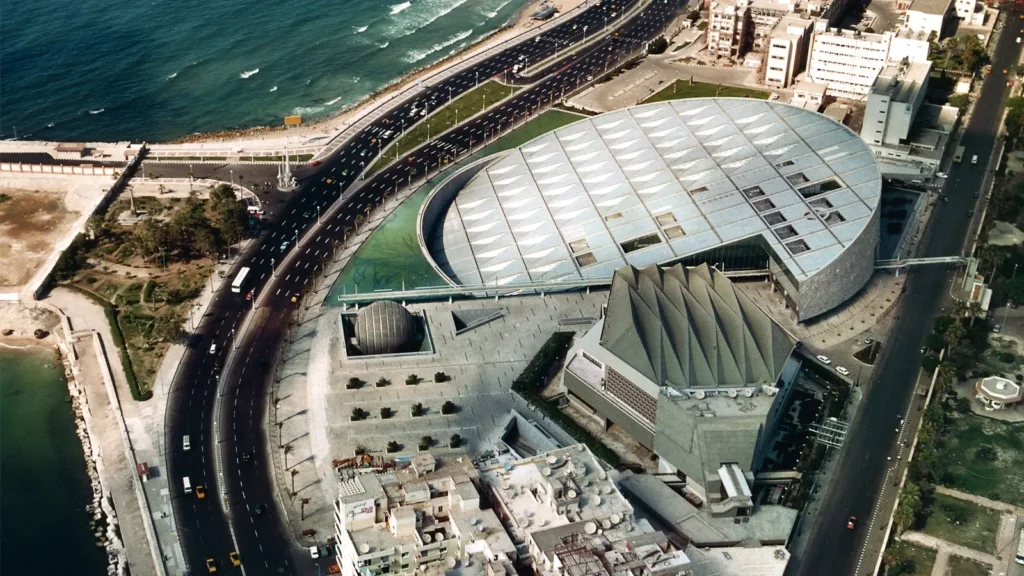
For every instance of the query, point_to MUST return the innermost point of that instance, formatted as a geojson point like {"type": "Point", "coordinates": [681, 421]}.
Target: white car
{"type": "Point", "coordinates": [284, 246]}
{"type": "Point", "coordinates": [314, 552]}
{"type": "Point", "coordinates": [1018, 39]}
{"type": "Point", "coordinates": [940, 174]}
{"type": "Point", "coordinates": [823, 359]}
{"type": "Point", "coordinates": [974, 159]}
{"type": "Point", "coordinates": [842, 371]}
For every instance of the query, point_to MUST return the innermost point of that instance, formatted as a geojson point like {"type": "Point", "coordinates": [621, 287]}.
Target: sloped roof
{"type": "Point", "coordinates": [691, 328]}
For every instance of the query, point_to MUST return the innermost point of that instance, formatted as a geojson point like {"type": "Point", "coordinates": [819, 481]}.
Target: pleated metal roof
{"type": "Point", "coordinates": [691, 328]}
{"type": "Point", "coordinates": [659, 182]}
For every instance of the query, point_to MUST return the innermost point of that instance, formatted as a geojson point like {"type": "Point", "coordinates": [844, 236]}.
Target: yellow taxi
{"type": "Point", "coordinates": [211, 566]}
{"type": "Point", "coordinates": [200, 492]}
{"type": "Point", "coordinates": [234, 559]}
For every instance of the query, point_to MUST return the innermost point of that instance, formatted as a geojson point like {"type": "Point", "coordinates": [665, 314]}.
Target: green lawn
{"type": "Point", "coordinates": [966, 469]}
{"type": "Point", "coordinates": [964, 523]}
{"type": "Point", "coordinates": [683, 89]}
{"type": "Point", "coordinates": [461, 108]}
{"type": "Point", "coordinates": [391, 257]}
{"type": "Point", "coordinates": [960, 566]}
{"type": "Point", "coordinates": [911, 559]}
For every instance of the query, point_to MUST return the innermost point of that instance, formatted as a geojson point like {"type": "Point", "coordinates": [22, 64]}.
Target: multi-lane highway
{"type": "Point", "coordinates": [225, 422]}
{"type": "Point", "coordinates": [861, 469]}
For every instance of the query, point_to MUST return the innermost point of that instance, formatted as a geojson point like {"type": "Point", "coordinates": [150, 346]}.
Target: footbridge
{"type": "Point", "coordinates": [906, 262]}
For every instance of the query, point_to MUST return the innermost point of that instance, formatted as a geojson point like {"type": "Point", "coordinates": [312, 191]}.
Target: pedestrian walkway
{"type": "Point", "coordinates": [980, 500]}
{"type": "Point", "coordinates": [942, 546]}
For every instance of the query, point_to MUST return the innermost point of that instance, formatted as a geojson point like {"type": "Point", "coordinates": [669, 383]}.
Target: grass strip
{"type": "Point", "coordinates": [110, 311]}
{"type": "Point", "coordinates": [461, 108]}
{"type": "Point", "coordinates": [529, 383]}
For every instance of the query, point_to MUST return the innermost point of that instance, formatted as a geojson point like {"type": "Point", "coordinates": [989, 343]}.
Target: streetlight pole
{"type": "Point", "coordinates": [273, 269]}
{"type": "Point", "coordinates": [232, 171]}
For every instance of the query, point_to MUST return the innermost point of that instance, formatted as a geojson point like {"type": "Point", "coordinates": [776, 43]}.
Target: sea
{"type": "Point", "coordinates": [157, 70]}
{"type": "Point", "coordinates": [44, 487]}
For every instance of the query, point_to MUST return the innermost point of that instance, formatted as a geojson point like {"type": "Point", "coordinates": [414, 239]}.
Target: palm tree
{"type": "Point", "coordinates": [973, 310]}
{"type": "Point", "coordinates": [287, 450]}
{"type": "Point", "coordinates": [890, 557]}
{"type": "Point", "coordinates": [903, 517]}
{"type": "Point", "coordinates": [294, 474]}
{"type": "Point", "coordinates": [954, 334]}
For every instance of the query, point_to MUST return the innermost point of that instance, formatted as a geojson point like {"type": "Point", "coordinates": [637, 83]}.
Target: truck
{"type": "Point", "coordinates": [188, 485]}
{"type": "Point", "coordinates": [959, 154]}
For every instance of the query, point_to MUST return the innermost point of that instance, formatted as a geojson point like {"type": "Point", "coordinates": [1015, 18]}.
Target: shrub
{"type": "Point", "coordinates": [358, 414]}
{"type": "Point", "coordinates": [986, 452]}
{"type": "Point", "coordinates": [657, 46]}
{"type": "Point", "coordinates": [393, 447]}
{"type": "Point", "coordinates": [386, 412]}
{"type": "Point", "coordinates": [426, 442]}
{"type": "Point", "coordinates": [382, 382]}
{"type": "Point", "coordinates": [1008, 357]}
{"type": "Point", "coordinates": [455, 441]}
{"type": "Point", "coordinates": [412, 380]}
{"type": "Point", "coordinates": [417, 409]}
{"type": "Point", "coordinates": [354, 383]}
{"type": "Point", "coordinates": [440, 377]}
{"type": "Point", "coordinates": [360, 450]}
{"type": "Point", "coordinates": [448, 407]}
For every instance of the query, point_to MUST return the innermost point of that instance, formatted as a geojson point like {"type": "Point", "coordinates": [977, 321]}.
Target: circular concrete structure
{"type": "Point", "coordinates": [384, 327]}
{"type": "Point", "coordinates": [678, 181]}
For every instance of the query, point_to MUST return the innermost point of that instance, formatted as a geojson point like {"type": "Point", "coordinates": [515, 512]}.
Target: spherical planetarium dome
{"type": "Point", "coordinates": [384, 327]}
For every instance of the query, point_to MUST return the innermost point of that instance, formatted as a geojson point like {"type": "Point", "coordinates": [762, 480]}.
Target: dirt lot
{"type": "Point", "coordinates": [31, 223]}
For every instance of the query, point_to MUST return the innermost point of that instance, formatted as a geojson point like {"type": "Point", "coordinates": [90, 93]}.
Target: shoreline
{"type": "Point", "coordinates": [103, 525]}
{"type": "Point", "coordinates": [518, 23]}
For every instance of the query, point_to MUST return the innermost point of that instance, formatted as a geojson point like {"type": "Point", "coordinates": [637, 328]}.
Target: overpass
{"type": "Point", "coordinates": [496, 291]}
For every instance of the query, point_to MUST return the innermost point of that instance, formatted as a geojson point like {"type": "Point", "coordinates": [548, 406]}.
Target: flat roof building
{"type": "Point", "coordinates": [423, 517]}
{"type": "Point", "coordinates": [744, 183]}
{"type": "Point", "coordinates": [997, 393]}
{"type": "Point", "coordinates": [567, 516]}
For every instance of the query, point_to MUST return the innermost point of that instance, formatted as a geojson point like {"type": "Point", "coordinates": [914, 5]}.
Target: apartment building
{"type": "Point", "coordinates": [787, 51]}
{"type": "Point", "coordinates": [422, 515]}
{"type": "Point", "coordinates": [729, 28]}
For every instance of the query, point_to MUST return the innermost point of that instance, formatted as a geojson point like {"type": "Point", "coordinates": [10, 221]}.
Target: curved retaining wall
{"type": "Point", "coordinates": [438, 202]}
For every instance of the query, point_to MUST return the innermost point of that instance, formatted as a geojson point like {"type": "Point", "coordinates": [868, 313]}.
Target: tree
{"type": "Point", "coordinates": [358, 414]}
{"type": "Point", "coordinates": [426, 442]}
{"type": "Point", "coordinates": [448, 407]}
{"type": "Point", "coordinates": [294, 474]}
{"type": "Point", "coordinates": [455, 441]}
{"type": "Point", "coordinates": [440, 377]}
{"type": "Point", "coordinates": [222, 193]}
{"type": "Point", "coordinates": [386, 412]}
{"type": "Point", "coordinates": [903, 518]}
{"type": "Point", "coordinates": [393, 446]}
{"type": "Point", "coordinates": [657, 46]}
{"type": "Point", "coordinates": [412, 380]}
{"type": "Point", "coordinates": [167, 327]}
{"type": "Point", "coordinates": [382, 382]}
{"type": "Point", "coordinates": [287, 450]}
{"type": "Point", "coordinates": [233, 221]}
{"type": "Point", "coordinates": [417, 409]}
{"type": "Point", "coordinates": [890, 557]}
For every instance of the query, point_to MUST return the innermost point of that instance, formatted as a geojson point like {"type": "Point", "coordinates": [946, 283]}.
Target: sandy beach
{"type": "Point", "coordinates": [329, 126]}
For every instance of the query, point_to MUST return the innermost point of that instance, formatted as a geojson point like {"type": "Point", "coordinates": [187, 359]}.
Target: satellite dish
{"type": "Point", "coordinates": [449, 562]}
{"type": "Point", "coordinates": [472, 520]}
{"type": "Point", "coordinates": [364, 548]}
{"type": "Point", "coordinates": [606, 524]}
{"type": "Point", "coordinates": [542, 522]}
{"type": "Point", "coordinates": [590, 528]}
{"type": "Point", "coordinates": [616, 518]}
{"type": "Point", "coordinates": [607, 490]}
{"type": "Point", "coordinates": [427, 538]}
{"type": "Point", "coordinates": [748, 393]}
{"type": "Point", "coordinates": [546, 471]}
{"type": "Point", "coordinates": [571, 494]}
{"type": "Point", "coordinates": [597, 500]}
{"type": "Point", "coordinates": [770, 390]}
{"type": "Point", "coordinates": [699, 394]}
{"type": "Point", "coordinates": [732, 393]}
{"type": "Point", "coordinates": [552, 459]}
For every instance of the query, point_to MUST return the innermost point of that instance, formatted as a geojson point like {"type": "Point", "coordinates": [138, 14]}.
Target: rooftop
{"type": "Point", "coordinates": [691, 328]}
{"type": "Point", "coordinates": [902, 81]}
{"type": "Point", "coordinates": [656, 183]}
{"type": "Point", "coordinates": [931, 6]}
{"type": "Point", "coordinates": [1001, 389]}
{"type": "Point", "coordinates": [555, 488]}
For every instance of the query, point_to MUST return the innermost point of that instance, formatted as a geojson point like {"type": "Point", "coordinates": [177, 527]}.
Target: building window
{"type": "Point", "coordinates": [584, 260]}
{"type": "Point", "coordinates": [674, 232]}
{"type": "Point", "coordinates": [639, 243]}
{"type": "Point", "coordinates": [666, 219]}
{"type": "Point", "coordinates": [797, 246]}
{"type": "Point", "coordinates": [631, 395]}
{"type": "Point", "coordinates": [774, 219]}
{"type": "Point", "coordinates": [784, 232]}
{"type": "Point", "coordinates": [580, 245]}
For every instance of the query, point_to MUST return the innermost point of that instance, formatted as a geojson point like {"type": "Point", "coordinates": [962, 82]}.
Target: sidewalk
{"type": "Point", "coordinates": [942, 546]}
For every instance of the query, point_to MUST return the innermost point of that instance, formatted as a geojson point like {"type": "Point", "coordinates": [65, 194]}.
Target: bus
{"type": "Point", "coordinates": [959, 154]}
{"type": "Point", "coordinates": [1020, 548]}
{"type": "Point", "coordinates": [236, 286]}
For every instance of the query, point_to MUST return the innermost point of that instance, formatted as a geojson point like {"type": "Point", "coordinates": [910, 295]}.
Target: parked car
{"type": "Point", "coordinates": [314, 162]}
{"type": "Point", "coordinates": [314, 552]}
{"type": "Point", "coordinates": [851, 523]}
{"type": "Point", "coordinates": [842, 371]}
{"type": "Point", "coordinates": [974, 159]}
{"type": "Point", "coordinates": [823, 359]}
{"type": "Point", "coordinates": [996, 328]}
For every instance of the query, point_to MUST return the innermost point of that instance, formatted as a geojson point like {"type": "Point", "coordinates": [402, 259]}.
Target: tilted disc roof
{"type": "Point", "coordinates": [691, 328]}
{"type": "Point", "coordinates": [384, 327]}
{"type": "Point", "coordinates": [658, 182]}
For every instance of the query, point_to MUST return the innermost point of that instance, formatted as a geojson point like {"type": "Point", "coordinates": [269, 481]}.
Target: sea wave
{"type": "Point", "coordinates": [419, 19]}
{"type": "Point", "coordinates": [95, 112]}
{"type": "Point", "coordinates": [172, 76]}
{"type": "Point", "coordinates": [383, 45]}
{"type": "Point", "coordinates": [333, 101]}
{"type": "Point", "coordinates": [416, 55]}
{"type": "Point", "coordinates": [362, 29]}
{"type": "Point", "coordinates": [399, 8]}
{"type": "Point", "coordinates": [249, 73]}
{"type": "Point", "coordinates": [494, 11]}
{"type": "Point", "coordinates": [306, 110]}
{"type": "Point", "coordinates": [274, 89]}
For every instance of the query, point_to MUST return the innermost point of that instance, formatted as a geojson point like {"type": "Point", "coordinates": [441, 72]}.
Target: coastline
{"type": "Point", "coordinates": [518, 23]}
{"type": "Point", "coordinates": [103, 524]}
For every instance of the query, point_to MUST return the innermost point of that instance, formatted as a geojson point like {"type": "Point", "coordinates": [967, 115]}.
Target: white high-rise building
{"type": "Point", "coordinates": [848, 62]}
